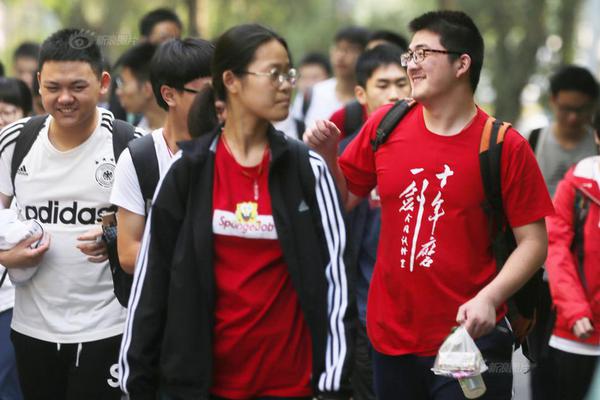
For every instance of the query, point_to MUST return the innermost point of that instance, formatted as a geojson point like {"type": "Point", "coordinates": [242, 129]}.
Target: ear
{"type": "Point", "coordinates": [39, 79]}
{"type": "Point", "coordinates": [552, 103]}
{"type": "Point", "coordinates": [104, 82]}
{"type": "Point", "coordinates": [463, 65]}
{"type": "Point", "coordinates": [168, 95]}
{"type": "Point", "coordinates": [147, 88]}
{"type": "Point", "coordinates": [231, 82]}
{"type": "Point", "coordinates": [361, 94]}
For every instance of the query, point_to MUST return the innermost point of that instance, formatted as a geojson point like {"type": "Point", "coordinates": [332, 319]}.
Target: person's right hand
{"type": "Point", "coordinates": [23, 256]}
{"type": "Point", "coordinates": [323, 138]}
{"type": "Point", "coordinates": [583, 328]}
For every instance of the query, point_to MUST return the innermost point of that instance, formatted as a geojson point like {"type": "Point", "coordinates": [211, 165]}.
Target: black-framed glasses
{"type": "Point", "coordinates": [277, 77]}
{"type": "Point", "coordinates": [190, 90]}
{"type": "Point", "coordinates": [419, 55]}
{"type": "Point", "coordinates": [580, 111]}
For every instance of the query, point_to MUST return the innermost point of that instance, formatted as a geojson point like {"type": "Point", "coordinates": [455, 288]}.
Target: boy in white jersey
{"type": "Point", "coordinates": [67, 323]}
{"type": "Point", "coordinates": [179, 69]}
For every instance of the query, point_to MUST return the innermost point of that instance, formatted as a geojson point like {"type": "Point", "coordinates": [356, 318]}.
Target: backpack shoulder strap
{"type": "Point", "coordinates": [145, 161]}
{"type": "Point", "coordinates": [534, 137]}
{"type": "Point", "coordinates": [353, 117]}
{"type": "Point", "coordinates": [581, 209]}
{"type": "Point", "coordinates": [26, 138]}
{"type": "Point", "coordinates": [123, 133]}
{"type": "Point", "coordinates": [306, 100]}
{"type": "Point", "coordinates": [490, 154]}
{"type": "Point", "coordinates": [390, 121]}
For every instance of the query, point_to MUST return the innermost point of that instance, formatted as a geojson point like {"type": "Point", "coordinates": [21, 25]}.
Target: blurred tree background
{"type": "Point", "coordinates": [525, 39]}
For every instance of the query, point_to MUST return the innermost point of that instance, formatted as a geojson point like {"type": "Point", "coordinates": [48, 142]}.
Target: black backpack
{"type": "Point", "coordinates": [122, 134]}
{"type": "Point", "coordinates": [523, 304]}
{"type": "Point", "coordinates": [145, 162]}
{"type": "Point", "coordinates": [353, 117]}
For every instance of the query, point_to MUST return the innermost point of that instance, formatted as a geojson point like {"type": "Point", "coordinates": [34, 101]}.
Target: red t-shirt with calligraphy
{"type": "Point", "coordinates": [434, 249]}
{"type": "Point", "coordinates": [261, 344]}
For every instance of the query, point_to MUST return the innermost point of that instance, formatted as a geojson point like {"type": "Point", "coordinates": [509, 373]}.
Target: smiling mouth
{"type": "Point", "coordinates": [67, 110]}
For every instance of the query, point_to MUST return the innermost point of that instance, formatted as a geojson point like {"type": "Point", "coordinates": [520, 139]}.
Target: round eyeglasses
{"type": "Point", "coordinates": [277, 77]}
{"type": "Point", "coordinates": [420, 54]}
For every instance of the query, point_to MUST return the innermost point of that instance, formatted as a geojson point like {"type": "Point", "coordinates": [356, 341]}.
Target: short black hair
{"type": "Point", "coordinates": [370, 60]}
{"type": "Point", "coordinates": [138, 59]}
{"type": "Point", "coordinates": [157, 16]}
{"type": "Point", "coordinates": [27, 49]}
{"type": "Point", "coordinates": [16, 92]}
{"type": "Point", "coordinates": [177, 62]}
{"type": "Point", "coordinates": [575, 78]}
{"type": "Point", "coordinates": [1, 69]}
{"type": "Point", "coordinates": [72, 45]}
{"type": "Point", "coordinates": [596, 122]}
{"type": "Point", "coordinates": [458, 33]}
{"type": "Point", "coordinates": [316, 58]}
{"type": "Point", "coordinates": [354, 34]}
{"type": "Point", "coordinates": [390, 37]}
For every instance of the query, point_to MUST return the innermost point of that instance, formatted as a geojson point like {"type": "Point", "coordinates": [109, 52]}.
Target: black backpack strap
{"type": "Point", "coordinates": [353, 117]}
{"type": "Point", "coordinates": [27, 137]}
{"type": "Point", "coordinates": [490, 154]}
{"type": "Point", "coordinates": [123, 133]}
{"type": "Point", "coordinates": [581, 210]}
{"type": "Point", "coordinates": [145, 161]}
{"type": "Point", "coordinates": [534, 137]}
{"type": "Point", "coordinates": [306, 100]}
{"type": "Point", "coordinates": [390, 121]}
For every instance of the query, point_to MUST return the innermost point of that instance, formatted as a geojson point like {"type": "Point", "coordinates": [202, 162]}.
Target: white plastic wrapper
{"type": "Point", "coordinates": [459, 356]}
{"type": "Point", "coordinates": [13, 231]}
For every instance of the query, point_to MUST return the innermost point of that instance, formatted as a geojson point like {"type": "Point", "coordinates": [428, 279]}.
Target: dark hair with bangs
{"type": "Point", "coordinates": [177, 62]}
{"type": "Point", "coordinates": [16, 92]}
{"type": "Point", "coordinates": [154, 17]}
{"type": "Point", "coordinates": [137, 59]}
{"type": "Point", "coordinates": [574, 78]}
{"type": "Point", "coordinates": [354, 34]}
{"type": "Point", "coordinates": [458, 33]}
{"type": "Point", "coordinates": [72, 45]}
{"type": "Point", "coordinates": [379, 56]}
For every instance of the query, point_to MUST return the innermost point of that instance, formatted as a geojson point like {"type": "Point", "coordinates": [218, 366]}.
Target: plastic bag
{"type": "Point", "coordinates": [13, 231]}
{"type": "Point", "coordinates": [459, 356]}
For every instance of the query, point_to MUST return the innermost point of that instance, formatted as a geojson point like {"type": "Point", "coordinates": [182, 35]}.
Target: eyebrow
{"type": "Point", "coordinates": [76, 82]}
{"type": "Point", "coordinates": [402, 78]}
{"type": "Point", "coordinates": [279, 65]}
{"type": "Point", "coordinates": [420, 46]}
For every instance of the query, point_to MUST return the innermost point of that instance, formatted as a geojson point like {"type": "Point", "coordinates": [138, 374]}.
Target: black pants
{"type": "Point", "coordinates": [543, 379]}
{"type": "Point", "coordinates": [51, 371]}
{"type": "Point", "coordinates": [573, 373]}
{"type": "Point", "coordinates": [261, 398]}
{"type": "Point", "coordinates": [362, 375]}
{"type": "Point", "coordinates": [409, 377]}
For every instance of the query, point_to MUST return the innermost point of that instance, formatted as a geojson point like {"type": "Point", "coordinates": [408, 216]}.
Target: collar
{"type": "Point", "coordinates": [198, 149]}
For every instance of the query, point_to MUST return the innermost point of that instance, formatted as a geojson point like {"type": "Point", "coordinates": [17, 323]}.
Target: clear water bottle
{"type": "Point", "coordinates": [472, 386]}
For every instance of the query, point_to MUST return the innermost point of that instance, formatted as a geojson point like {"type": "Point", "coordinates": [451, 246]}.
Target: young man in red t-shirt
{"type": "Point", "coordinates": [434, 266]}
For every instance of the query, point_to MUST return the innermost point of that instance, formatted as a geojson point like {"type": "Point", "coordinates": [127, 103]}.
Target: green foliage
{"type": "Point", "coordinates": [514, 30]}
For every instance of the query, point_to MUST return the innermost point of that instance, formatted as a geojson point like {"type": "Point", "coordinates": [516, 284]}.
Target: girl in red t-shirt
{"type": "Point", "coordinates": [253, 252]}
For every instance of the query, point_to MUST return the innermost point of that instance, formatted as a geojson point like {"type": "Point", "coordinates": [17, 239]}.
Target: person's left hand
{"type": "Point", "coordinates": [478, 316]}
{"type": "Point", "coordinates": [583, 328]}
{"type": "Point", "coordinates": [93, 246]}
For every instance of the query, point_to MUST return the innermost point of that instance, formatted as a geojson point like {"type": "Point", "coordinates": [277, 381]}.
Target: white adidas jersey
{"type": "Point", "coordinates": [70, 299]}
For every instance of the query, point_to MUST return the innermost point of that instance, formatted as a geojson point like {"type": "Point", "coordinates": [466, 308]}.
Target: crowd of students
{"type": "Point", "coordinates": [281, 244]}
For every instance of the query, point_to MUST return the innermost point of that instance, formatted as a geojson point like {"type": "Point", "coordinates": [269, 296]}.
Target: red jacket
{"type": "Point", "coordinates": [571, 299]}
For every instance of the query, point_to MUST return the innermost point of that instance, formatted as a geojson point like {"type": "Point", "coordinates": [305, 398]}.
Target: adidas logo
{"type": "Point", "coordinates": [303, 206]}
{"type": "Point", "coordinates": [22, 171]}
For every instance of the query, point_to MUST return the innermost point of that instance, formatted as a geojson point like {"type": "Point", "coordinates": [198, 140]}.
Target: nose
{"type": "Point", "coordinates": [394, 95]}
{"type": "Point", "coordinates": [65, 96]}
